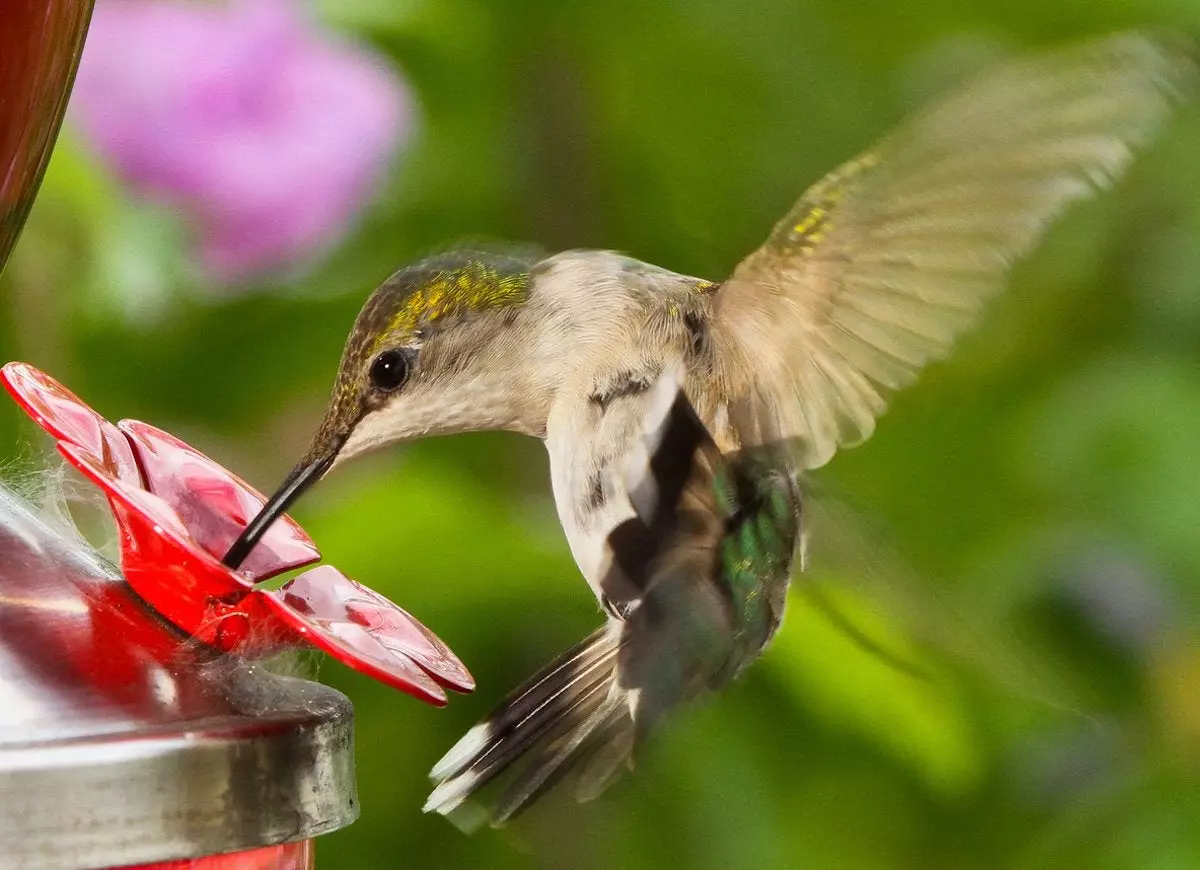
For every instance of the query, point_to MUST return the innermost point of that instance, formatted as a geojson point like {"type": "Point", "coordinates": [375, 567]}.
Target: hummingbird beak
{"type": "Point", "coordinates": [301, 478]}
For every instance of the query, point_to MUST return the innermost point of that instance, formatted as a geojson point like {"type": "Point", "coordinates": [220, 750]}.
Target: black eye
{"type": "Point", "coordinates": [390, 370]}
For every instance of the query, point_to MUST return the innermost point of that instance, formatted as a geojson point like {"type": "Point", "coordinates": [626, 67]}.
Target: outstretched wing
{"type": "Point", "coordinates": [884, 262]}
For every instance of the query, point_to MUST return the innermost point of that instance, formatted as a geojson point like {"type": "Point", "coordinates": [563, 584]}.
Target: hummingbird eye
{"type": "Point", "coordinates": [390, 370]}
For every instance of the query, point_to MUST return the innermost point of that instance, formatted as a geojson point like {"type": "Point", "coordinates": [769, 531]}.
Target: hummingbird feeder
{"type": "Point", "coordinates": [137, 724]}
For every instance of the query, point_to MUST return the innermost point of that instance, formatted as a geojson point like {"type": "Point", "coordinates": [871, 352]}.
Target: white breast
{"type": "Point", "coordinates": [584, 458]}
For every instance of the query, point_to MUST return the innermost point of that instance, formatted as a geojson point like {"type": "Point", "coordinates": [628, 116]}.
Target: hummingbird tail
{"type": "Point", "coordinates": [570, 711]}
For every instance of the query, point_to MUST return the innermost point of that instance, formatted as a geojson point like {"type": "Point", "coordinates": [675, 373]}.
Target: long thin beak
{"type": "Point", "coordinates": [300, 479]}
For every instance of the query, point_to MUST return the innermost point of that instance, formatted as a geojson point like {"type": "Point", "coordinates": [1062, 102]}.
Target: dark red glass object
{"type": "Point", "coordinates": [177, 511]}
{"type": "Point", "coordinates": [40, 43]}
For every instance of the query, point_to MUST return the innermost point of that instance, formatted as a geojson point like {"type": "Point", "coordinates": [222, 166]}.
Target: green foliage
{"type": "Point", "coordinates": [1039, 482]}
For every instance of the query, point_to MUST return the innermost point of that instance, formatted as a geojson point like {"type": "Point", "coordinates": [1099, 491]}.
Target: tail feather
{"type": "Point", "coordinates": [561, 754]}
{"type": "Point", "coordinates": [541, 720]}
{"type": "Point", "coordinates": [485, 753]}
{"type": "Point", "coordinates": [615, 741]}
{"type": "Point", "coordinates": [529, 704]}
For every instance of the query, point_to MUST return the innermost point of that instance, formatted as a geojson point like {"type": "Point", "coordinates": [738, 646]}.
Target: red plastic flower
{"type": "Point", "coordinates": [177, 511]}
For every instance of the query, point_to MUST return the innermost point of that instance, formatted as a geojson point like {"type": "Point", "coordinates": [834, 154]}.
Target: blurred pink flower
{"type": "Point", "coordinates": [269, 132]}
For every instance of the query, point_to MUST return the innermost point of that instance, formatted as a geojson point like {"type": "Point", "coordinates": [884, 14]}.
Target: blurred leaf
{"type": "Point", "coordinates": [920, 720]}
{"type": "Point", "coordinates": [1116, 443]}
{"type": "Point", "coordinates": [434, 536]}
{"type": "Point", "coordinates": [76, 187]}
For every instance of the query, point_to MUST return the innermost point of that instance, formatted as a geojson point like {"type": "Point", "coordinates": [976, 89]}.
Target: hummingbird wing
{"type": "Point", "coordinates": [883, 263]}
{"type": "Point", "coordinates": [695, 586]}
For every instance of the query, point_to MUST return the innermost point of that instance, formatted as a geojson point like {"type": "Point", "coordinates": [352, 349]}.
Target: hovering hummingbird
{"type": "Point", "coordinates": [678, 413]}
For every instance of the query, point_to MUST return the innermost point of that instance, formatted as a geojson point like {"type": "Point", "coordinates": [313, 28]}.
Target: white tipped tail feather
{"type": "Point", "coordinates": [550, 721]}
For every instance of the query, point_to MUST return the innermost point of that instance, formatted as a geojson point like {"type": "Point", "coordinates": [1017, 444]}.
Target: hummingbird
{"type": "Point", "coordinates": [680, 413]}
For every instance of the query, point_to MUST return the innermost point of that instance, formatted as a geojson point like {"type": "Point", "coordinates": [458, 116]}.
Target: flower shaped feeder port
{"type": "Point", "coordinates": [177, 511]}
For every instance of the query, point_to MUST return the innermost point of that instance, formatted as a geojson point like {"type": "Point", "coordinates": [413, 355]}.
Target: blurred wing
{"type": "Point", "coordinates": [862, 585]}
{"type": "Point", "coordinates": [884, 262]}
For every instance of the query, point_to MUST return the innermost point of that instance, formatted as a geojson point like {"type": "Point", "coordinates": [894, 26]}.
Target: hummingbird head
{"type": "Point", "coordinates": [442, 346]}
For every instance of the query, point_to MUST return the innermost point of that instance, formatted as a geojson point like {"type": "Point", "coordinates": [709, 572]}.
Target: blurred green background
{"type": "Point", "coordinates": [1033, 505]}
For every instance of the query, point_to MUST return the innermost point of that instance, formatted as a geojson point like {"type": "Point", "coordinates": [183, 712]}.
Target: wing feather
{"type": "Point", "coordinates": [880, 266]}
